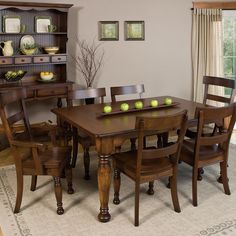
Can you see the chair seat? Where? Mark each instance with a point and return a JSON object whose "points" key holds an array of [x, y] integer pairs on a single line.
{"points": [[207, 154], [126, 162], [50, 159]]}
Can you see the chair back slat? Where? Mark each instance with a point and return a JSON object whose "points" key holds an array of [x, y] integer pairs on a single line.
{"points": [[150, 154], [15, 118], [15, 98], [87, 93], [222, 82], [165, 124], [124, 90]]}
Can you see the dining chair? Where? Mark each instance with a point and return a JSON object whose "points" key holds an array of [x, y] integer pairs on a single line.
{"points": [[127, 90], [211, 97], [205, 150], [79, 136], [35, 158], [147, 164]]}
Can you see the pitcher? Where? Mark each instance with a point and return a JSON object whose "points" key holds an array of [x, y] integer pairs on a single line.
{"points": [[7, 49]]}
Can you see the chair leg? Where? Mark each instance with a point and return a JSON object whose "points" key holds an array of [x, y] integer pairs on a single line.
{"points": [[225, 180], [68, 170], [136, 206], [194, 185], [75, 147], [174, 193], [150, 190], [133, 144], [116, 185], [19, 192], [86, 163], [58, 194], [33, 182]]}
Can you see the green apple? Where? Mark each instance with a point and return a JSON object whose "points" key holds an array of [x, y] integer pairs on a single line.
{"points": [[13, 74], [138, 105], [124, 107], [20, 72], [107, 109], [168, 101], [9, 72], [154, 103]]}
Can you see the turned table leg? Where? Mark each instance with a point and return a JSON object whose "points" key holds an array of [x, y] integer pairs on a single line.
{"points": [[104, 181], [104, 147]]}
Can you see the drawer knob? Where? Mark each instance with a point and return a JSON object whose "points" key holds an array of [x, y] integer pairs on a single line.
{"points": [[22, 60], [41, 59], [58, 58], [3, 61]]}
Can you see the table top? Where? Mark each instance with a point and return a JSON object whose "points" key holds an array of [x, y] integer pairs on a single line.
{"points": [[88, 117]]}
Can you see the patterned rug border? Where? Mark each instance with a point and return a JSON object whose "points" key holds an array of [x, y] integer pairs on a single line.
{"points": [[10, 200]]}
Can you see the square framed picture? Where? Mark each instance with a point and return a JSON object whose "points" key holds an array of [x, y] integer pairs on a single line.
{"points": [[108, 30], [42, 23], [11, 24], [134, 30]]}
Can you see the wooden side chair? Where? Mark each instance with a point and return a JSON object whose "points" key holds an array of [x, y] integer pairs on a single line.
{"points": [[151, 163], [204, 150], [209, 97], [124, 90], [127, 90], [78, 136], [36, 158]]}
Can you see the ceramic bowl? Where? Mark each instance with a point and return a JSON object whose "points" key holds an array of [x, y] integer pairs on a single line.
{"points": [[46, 77], [51, 50]]}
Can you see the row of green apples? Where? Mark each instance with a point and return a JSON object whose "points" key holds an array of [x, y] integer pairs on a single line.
{"points": [[137, 105]]}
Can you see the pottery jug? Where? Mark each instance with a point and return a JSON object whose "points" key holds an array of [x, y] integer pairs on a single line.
{"points": [[7, 49]]}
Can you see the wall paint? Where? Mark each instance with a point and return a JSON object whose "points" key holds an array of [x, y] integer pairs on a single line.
{"points": [[162, 62]]}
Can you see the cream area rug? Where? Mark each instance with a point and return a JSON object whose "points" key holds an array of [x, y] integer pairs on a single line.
{"points": [[215, 214]]}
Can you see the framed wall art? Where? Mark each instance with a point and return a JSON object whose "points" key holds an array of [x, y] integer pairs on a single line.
{"points": [[108, 30], [134, 30], [11, 24]]}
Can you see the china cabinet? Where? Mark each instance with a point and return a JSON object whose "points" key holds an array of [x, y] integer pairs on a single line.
{"points": [[27, 24]]}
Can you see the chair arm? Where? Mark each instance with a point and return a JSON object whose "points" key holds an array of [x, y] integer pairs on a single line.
{"points": [[28, 144]]}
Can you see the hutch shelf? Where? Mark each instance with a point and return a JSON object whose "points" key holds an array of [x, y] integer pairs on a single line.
{"points": [[35, 17]]}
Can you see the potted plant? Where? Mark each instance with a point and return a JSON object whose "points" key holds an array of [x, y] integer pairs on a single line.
{"points": [[89, 61]]}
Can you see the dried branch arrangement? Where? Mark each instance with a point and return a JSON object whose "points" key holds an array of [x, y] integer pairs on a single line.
{"points": [[89, 60]]}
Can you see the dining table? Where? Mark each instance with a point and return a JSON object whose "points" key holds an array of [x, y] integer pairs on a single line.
{"points": [[110, 130]]}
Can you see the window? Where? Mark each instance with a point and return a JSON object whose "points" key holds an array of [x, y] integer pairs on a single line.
{"points": [[229, 36]]}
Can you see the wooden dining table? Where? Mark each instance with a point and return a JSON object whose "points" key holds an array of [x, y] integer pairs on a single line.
{"points": [[110, 130]]}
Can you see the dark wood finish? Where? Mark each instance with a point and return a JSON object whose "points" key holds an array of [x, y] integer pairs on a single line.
{"points": [[110, 132], [37, 159], [150, 163], [124, 90], [225, 100], [41, 61], [80, 137], [218, 81], [207, 150]]}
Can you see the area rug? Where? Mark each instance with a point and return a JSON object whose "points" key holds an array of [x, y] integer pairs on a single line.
{"points": [[215, 214]]}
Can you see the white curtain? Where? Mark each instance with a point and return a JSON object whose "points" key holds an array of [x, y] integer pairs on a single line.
{"points": [[207, 49]]}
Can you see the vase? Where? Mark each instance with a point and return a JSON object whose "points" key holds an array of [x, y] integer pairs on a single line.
{"points": [[7, 49], [89, 101]]}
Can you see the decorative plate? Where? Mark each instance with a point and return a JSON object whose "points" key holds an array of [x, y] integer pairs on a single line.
{"points": [[27, 39]]}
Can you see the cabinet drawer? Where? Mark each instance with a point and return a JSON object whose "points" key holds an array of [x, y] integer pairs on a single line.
{"points": [[23, 60], [41, 59], [6, 61], [58, 58], [30, 93], [51, 92]]}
